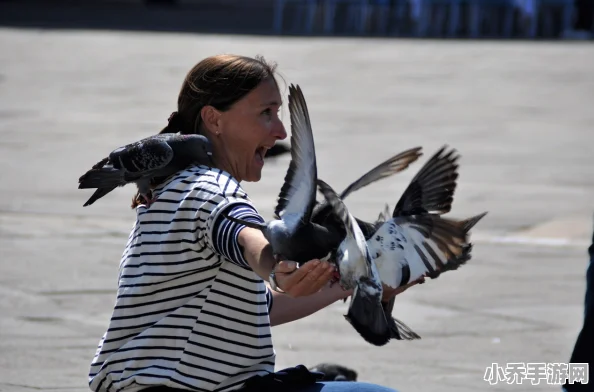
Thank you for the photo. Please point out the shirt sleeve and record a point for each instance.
(224, 233)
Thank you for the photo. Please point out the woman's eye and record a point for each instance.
(267, 112)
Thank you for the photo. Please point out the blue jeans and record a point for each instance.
(300, 379)
(344, 386)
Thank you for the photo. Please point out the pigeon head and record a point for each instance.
(200, 146)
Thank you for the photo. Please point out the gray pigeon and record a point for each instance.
(141, 162)
(294, 234)
(335, 372)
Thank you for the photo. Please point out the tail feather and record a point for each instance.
(439, 244)
(366, 315)
(469, 223)
(375, 324)
(455, 261)
(398, 330)
(98, 194)
(102, 178)
(432, 189)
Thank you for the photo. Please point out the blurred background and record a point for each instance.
(529, 19)
(508, 83)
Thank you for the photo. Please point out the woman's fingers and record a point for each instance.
(285, 267)
(305, 280)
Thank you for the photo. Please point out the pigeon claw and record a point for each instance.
(148, 200)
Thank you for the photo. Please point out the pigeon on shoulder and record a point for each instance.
(157, 156)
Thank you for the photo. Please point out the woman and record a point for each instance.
(193, 311)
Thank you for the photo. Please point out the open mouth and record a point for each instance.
(261, 153)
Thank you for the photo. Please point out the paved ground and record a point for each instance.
(519, 113)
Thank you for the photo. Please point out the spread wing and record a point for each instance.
(298, 193)
(432, 189)
(385, 169)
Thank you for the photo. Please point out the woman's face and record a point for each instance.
(248, 129)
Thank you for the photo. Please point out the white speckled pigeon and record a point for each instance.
(140, 162)
(359, 272)
(414, 242)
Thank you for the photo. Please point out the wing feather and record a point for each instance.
(144, 156)
(298, 193)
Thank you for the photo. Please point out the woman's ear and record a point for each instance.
(211, 119)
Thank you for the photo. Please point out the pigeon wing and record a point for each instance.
(432, 189)
(385, 169)
(407, 248)
(298, 193)
(142, 157)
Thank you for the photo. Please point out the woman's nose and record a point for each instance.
(279, 130)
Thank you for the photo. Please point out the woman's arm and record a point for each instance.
(286, 309)
(256, 251)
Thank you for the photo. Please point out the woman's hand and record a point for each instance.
(389, 293)
(305, 280)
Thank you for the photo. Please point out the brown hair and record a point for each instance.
(219, 81)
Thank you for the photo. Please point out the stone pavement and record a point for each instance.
(519, 113)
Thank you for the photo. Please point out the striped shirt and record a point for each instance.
(190, 313)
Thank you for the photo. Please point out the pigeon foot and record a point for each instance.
(148, 200)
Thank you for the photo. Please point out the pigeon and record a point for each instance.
(294, 234)
(141, 162)
(335, 372)
(359, 273)
(431, 190)
(429, 194)
(393, 249)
